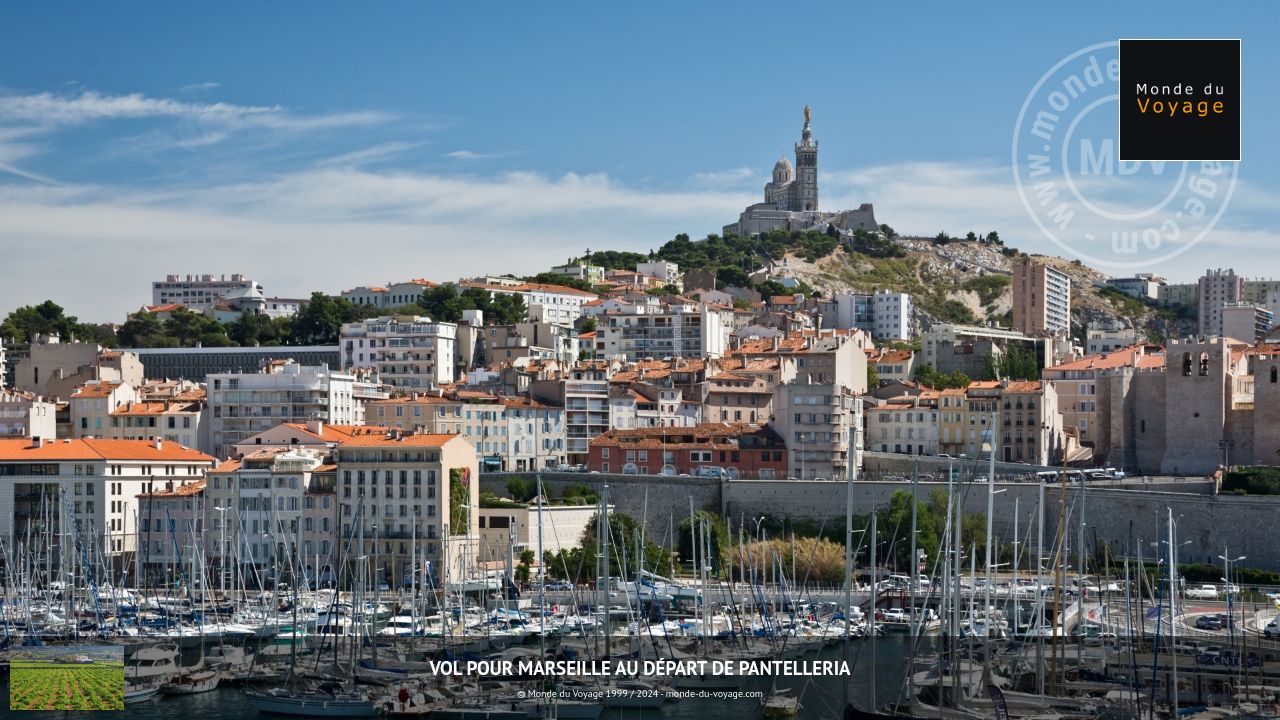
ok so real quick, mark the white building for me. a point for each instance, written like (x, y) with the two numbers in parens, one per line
(1101, 338)
(906, 425)
(891, 313)
(391, 295)
(198, 292)
(667, 272)
(506, 532)
(24, 414)
(244, 404)
(1144, 286)
(91, 484)
(692, 330)
(405, 351)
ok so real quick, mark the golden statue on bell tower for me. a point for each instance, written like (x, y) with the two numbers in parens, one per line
(806, 114)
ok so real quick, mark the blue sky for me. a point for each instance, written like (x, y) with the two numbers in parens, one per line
(323, 146)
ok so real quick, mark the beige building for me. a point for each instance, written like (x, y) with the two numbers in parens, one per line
(1041, 298)
(1215, 289)
(506, 532)
(737, 398)
(393, 486)
(1084, 410)
(1030, 424)
(817, 422)
(55, 369)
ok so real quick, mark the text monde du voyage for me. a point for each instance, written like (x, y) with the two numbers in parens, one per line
(1180, 99)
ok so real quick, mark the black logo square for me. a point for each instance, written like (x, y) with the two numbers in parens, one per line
(1180, 100)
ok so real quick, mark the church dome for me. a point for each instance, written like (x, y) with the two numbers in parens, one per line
(782, 171)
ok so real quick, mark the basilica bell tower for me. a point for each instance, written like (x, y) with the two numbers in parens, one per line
(806, 182)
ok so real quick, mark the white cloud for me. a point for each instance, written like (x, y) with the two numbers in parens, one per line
(365, 156)
(469, 155)
(198, 87)
(50, 110)
(733, 179)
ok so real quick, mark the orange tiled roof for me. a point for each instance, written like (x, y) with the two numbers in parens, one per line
(340, 433)
(95, 390)
(1124, 357)
(98, 449)
(397, 440)
(153, 408)
(227, 466)
(1023, 386)
(166, 307)
(183, 490)
(894, 356)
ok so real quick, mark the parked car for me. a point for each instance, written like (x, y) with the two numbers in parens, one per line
(1272, 630)
(895, 615)
(1208, 622)
(559, 585)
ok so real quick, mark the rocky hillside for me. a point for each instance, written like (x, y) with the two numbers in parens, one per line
(968, 282)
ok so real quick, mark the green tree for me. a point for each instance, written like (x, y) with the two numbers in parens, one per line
(521, 488)
(719, 540)
(47, 318)
(141, 330)
(459, 500)
(189, 328)
(873, 377)
(320, 321)
(894, 526)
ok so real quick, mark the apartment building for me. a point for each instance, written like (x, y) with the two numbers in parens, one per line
(405, 351)
(819, 356)
(1041, 298)
(1245, 321)
(242, 405)
(493, 346)
(1030, 427)
(584, 394)
(1076, 385)
(508, 433)
(817, 421)
(391, 295)
(907, 424)
(737, 398)
(198, 292)
(55, 369)
(51, 487)
(1215, 290)
(732, 450)
(24, 414)
(255, 514)
(690, 330)
(393, 487)
(170, 533)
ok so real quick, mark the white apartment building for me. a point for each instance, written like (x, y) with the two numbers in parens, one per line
(388, 296)
(405, 351)
(245, 404)
(198, 292)
(891, 313)
(24, 414)
(906, 425)
(667, 272)
(255, 512)
(584, 395)
(692, 330)
(1101, 338)
(92, 482)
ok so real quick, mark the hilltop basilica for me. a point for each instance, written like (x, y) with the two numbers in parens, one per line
(791, 198)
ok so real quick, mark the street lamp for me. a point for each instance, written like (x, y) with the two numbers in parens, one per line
(1226, 570)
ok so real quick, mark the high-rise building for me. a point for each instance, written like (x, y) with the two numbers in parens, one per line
(198, 292)
(244, 404)
(1041, 298)
(1216, 289)
(406, 351)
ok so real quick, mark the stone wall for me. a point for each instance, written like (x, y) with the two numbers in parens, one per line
(1126, 517)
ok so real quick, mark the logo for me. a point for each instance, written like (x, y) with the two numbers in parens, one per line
(1109, 212)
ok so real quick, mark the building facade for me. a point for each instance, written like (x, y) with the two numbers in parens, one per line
(405, 351)
(245, 404)
(1215, 290)
(1041, 298)
(198, 292)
